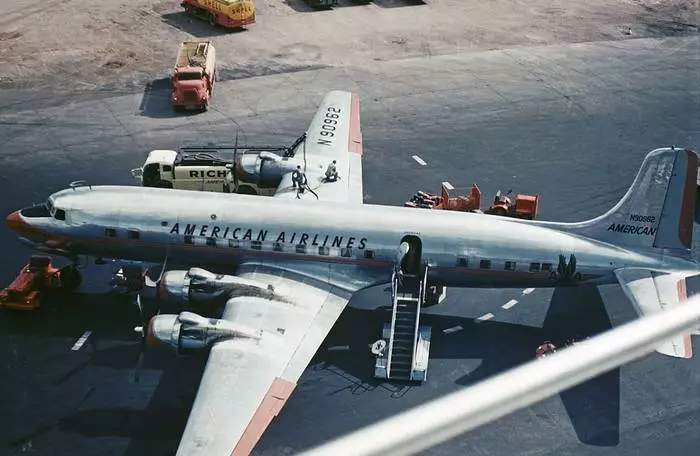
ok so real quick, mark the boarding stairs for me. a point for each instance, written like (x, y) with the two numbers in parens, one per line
(404, 352)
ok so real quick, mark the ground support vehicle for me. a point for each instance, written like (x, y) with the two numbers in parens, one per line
(194, 76)
(251, 170)
(525, 206)
(36, 278)
(227, 13)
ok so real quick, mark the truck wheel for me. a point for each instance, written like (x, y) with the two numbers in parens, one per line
(70, 277)
(163, 184)
(246, 190)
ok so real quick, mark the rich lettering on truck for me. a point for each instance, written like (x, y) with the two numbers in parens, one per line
(208, 173)
(329, 126)
(642, 218)
(247, 234)
(639, 230)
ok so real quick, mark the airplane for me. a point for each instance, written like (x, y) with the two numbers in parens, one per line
(287, 265)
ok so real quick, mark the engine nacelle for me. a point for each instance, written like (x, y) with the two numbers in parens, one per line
(264, 169)
(188, 331)
(197, 284)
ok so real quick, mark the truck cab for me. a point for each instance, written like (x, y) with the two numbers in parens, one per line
(157, 170)
(191, 88)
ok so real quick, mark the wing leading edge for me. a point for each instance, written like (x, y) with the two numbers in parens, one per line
(334, 134)
(246, 382)
(652, 292)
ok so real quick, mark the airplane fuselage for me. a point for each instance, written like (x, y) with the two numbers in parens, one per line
(323, 240)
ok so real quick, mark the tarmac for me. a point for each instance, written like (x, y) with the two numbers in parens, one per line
(570, 122)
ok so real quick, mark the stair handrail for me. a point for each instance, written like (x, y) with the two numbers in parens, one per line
(395, 295)
(421, 300)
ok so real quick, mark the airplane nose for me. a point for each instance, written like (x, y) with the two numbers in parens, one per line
(15, 223)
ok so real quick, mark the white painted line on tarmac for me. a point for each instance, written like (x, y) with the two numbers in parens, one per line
(509, 304)
(339, 348)
(485, 317)
(527, 291)
(448, 186)
(419, 160)
(452, 329)
(79, 343)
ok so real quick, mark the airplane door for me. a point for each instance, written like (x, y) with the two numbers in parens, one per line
(411, 260)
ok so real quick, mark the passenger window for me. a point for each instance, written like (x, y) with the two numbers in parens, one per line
(485, 264)
(132, 234)
(534, 267)
(369, 254)
(211, 242)
(233, 243)
(110, 232)
(345, 252)
(256, 245)
(189, 239)
(510, 265)
(60, 214)
(324, 250)
(462, 262)
(546, 266)
(278, 247)
(301, 249)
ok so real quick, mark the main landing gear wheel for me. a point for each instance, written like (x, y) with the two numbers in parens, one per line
(70, 277)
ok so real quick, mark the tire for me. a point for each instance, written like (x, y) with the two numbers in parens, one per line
(163, 184)
(70, 277)
(246, 190)
(499, 211)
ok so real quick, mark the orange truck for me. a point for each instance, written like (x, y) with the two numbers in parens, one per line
(524, 206)
(194, 76)
(227, 13)
(37, 277)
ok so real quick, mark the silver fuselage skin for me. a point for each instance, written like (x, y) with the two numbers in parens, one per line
(349, 246)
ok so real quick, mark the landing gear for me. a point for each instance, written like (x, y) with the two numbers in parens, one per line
(71, 278)
(434, 294)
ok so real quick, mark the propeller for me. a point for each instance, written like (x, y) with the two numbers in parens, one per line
(142, 328)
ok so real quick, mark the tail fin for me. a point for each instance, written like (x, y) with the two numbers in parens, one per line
(658, 210)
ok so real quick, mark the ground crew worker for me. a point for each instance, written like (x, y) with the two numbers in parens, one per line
(299, 178)
(331, 173)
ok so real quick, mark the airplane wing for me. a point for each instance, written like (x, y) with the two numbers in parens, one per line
(334, 134)
(246, 381)
(650, 293)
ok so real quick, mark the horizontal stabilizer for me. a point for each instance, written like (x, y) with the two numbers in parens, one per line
(652, 292)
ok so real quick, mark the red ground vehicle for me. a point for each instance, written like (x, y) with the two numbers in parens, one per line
(525, 206)
(194, 76)
(227, 13)
(38, 276)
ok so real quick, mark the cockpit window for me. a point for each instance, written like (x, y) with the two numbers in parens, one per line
(49, 206)
(60, 214)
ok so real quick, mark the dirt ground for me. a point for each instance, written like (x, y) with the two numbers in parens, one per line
(69, 45)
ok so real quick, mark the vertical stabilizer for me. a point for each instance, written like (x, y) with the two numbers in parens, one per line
(658, 210)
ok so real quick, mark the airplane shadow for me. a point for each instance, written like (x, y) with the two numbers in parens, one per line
(593, 406)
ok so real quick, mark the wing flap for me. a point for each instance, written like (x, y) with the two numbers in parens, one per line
(652, 292)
